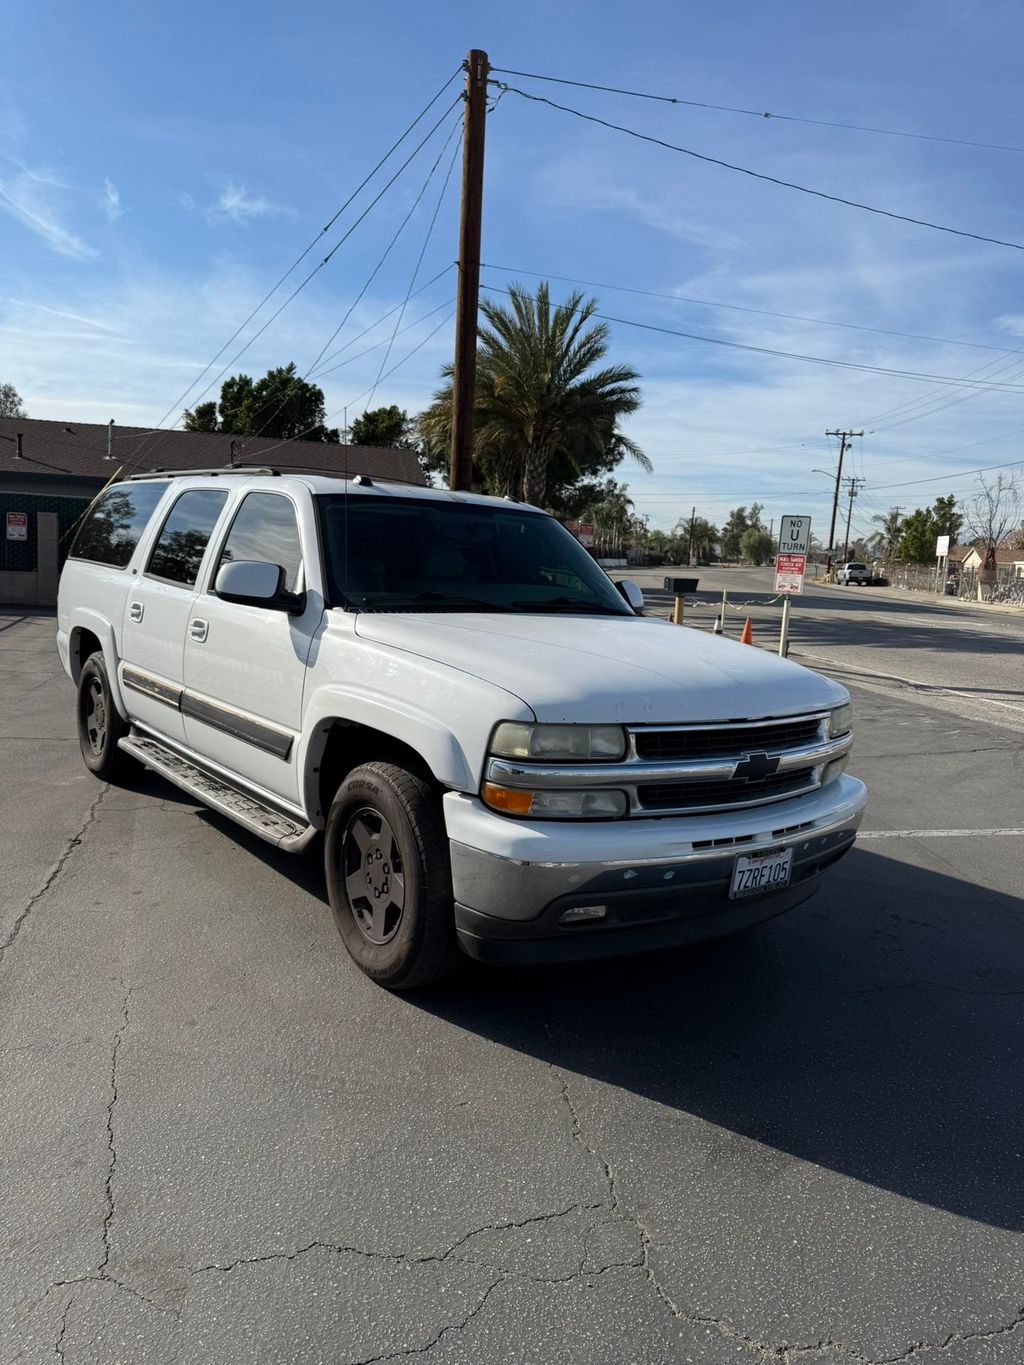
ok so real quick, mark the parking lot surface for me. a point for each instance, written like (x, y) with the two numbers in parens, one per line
(221, 1143)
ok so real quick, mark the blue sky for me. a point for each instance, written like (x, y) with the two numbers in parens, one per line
(161, 166)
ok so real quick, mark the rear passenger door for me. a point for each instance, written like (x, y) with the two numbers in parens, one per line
(245, 666)
(156, 612)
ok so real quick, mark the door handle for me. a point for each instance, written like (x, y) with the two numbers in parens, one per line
(198, 629)
(135, 611)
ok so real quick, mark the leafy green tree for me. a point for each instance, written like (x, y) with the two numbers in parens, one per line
(10, 402)
(740, 520)
(281, 405)
(390, 427)
(756, 545)
(917, 537)
(698, 534)
(542, 409)
(947, 518)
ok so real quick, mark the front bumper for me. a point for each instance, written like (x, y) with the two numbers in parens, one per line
(663, 881)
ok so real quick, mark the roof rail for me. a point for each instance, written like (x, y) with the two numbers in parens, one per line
(331, 471)
(183, 473)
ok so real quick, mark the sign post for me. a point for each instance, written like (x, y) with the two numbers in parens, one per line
(942, 562)
(585, 534)
(790, 567)
(17, 526)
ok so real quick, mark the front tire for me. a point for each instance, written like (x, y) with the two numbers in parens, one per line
(100, 725)
(389, 877)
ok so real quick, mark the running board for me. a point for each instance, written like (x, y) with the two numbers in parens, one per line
(253, 815)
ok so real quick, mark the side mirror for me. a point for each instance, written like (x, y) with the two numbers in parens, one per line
(252, 583)
(632, 594)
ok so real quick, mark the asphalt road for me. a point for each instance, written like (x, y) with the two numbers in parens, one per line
(220, 1143)
(966, 659)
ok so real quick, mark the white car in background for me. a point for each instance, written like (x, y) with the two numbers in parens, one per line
(853, 572)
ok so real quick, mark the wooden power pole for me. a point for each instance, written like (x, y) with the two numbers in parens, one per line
(844, 438)
(460, 472)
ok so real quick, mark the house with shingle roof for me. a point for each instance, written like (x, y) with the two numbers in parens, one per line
(51, 470)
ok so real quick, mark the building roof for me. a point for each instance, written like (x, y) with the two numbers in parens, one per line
(1003, 555)
(79, 450)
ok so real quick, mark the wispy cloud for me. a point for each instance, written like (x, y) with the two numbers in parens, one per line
(235, 204)
(111, 202)
(59, 313)
(29, 197)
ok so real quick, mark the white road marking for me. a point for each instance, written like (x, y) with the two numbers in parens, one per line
(939, 833)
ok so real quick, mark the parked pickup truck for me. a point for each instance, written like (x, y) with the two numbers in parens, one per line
(506, 758)
(853, 572)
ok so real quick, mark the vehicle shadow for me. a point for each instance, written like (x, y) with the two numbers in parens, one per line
(875, 1031)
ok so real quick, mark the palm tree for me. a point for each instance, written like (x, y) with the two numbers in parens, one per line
(887, 537)
(539, 397)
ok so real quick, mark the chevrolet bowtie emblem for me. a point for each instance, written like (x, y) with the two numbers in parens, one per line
(754, 767)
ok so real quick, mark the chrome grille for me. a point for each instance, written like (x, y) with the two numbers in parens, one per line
(722, 741)
(689, 769)
(690, 795)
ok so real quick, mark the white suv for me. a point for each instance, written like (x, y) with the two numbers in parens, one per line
(507, 760)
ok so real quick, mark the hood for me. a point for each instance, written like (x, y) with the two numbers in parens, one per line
(634, 670)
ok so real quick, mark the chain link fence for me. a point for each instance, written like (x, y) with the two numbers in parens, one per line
(1008, 585)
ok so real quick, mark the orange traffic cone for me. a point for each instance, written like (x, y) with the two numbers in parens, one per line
(747, 638)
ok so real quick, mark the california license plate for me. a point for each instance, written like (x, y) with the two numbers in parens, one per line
(756, 873)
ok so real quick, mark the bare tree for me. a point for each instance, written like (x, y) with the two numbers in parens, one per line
(992, 511)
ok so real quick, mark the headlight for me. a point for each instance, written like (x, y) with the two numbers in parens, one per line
(841, 720)
(556, 805)
(559, 743)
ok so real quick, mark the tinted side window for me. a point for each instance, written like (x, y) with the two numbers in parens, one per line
(112, 529)
(265, 529)
(182, 543)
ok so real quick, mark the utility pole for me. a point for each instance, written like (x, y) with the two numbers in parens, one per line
(852, 488)
(844, 438)
(460, 474)
(689, 541)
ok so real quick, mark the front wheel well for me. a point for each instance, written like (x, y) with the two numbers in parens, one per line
(350, 744)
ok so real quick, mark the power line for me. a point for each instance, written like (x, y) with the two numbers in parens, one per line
(740, 308)
(796, 355)
(760, 175)
(369, 280)
(302, 256)
(353, 401)
(340, 242)
(944, 478)
(415, 274)
(383, 318)
(448, 303)
(759, 114)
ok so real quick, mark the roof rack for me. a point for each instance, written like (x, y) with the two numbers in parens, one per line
(181, 473)
(331, 471)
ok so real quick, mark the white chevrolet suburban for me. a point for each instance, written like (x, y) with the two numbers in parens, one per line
(506, 758)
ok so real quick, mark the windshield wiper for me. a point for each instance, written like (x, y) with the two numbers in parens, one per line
(563, 603)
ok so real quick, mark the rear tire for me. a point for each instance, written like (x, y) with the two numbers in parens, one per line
(100, 725)
(389, 877)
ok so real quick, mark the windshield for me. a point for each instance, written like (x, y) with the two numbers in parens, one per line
(411, 554)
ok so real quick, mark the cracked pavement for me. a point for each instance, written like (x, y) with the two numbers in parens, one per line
(220, 1143)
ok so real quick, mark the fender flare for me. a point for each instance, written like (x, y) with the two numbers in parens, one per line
(422, 732)
(84, 618)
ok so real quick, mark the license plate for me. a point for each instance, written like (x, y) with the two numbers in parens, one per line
(757, 873)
